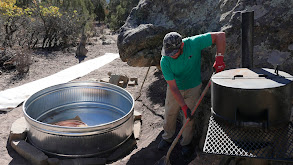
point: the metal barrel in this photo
(105, 108)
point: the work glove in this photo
(219, 64)
(187, 112)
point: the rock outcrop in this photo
(140, 39)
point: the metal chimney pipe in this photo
(247, 39)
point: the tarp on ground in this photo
(13, 97)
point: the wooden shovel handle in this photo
(185, 124)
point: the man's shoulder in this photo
(200, 41)
(198, 36)
(165, 59)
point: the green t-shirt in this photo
(186, 68)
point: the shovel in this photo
(165, 159)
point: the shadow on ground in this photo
(150, 155)
(157, 90)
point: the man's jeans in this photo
(172, 109)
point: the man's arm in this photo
(176, 93)
(219, 38)
(179, 98)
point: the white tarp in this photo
(11, 98)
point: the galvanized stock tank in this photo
(105, 108)
(252, 96)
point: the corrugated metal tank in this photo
(106, 109)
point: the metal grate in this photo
(227, 139)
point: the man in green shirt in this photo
(181, 63)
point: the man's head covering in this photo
(171, 44)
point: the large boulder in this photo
(140, 38)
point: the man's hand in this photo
(219, 64)
(187, 112)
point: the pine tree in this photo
(119, 11)
(100, 12)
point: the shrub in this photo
(58, 28)
(11, 16)
(23, 61)
(41, 24)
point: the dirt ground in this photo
(150, 103)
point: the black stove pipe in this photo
(247, 39)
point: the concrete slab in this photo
(133, 81)
(136, 129)
(120, 80)
(29, 152)
(18, 130)
(137, 115)
(105, 80)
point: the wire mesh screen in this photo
(227, 139)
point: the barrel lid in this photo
(259, 78)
